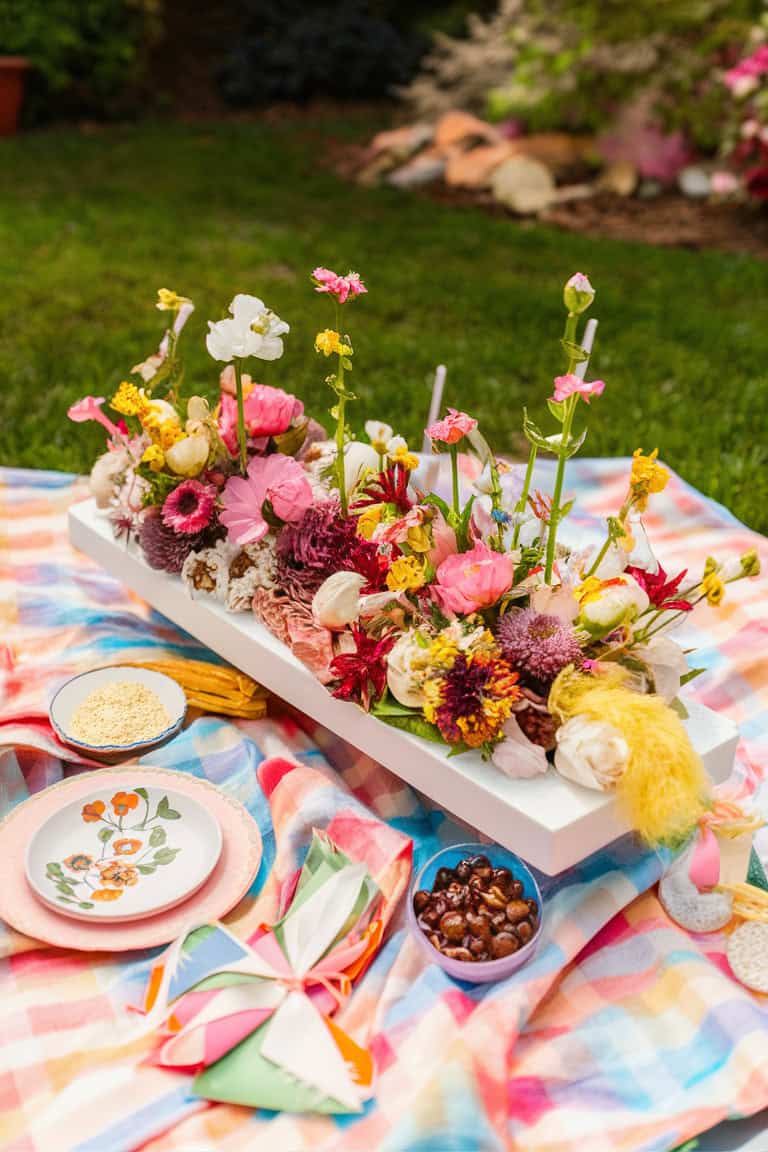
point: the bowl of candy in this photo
(476, 910)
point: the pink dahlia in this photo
(275, 486)
(536, 644)
(452, 427)
(189, 508)
(342, 287)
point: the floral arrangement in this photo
(747, 141)
(457, 612)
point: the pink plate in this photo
(224, 888)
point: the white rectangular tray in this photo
(549, 822)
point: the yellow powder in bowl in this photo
(120, 712)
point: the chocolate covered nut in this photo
(504, 945)
(499, 922)
(515, 890)
(477, 947)
(430, 916)
(502, 878)
(420, 900)
(437, 941)
(479, 926)
(479, 861)
(463, 871)
(524, 931)
(443, 879)
(533, 907)
(517, 910)
(457, 953)
(453, 926)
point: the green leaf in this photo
(678, 706)
(165, 812)
(416, 725)
(65, 889)
(480, 445)
(141, 792)
(565, 508)
(574, 351)
(439, 503)
(65, 900)
(165, 855)
(85, 904)
(388, 706)
(534, 435)
(54, 870)
(157, 837)
(574, 444)
(106, 834)
(691, 675)
(346, 364)
(146, 869)
(557, 408)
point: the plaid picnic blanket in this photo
(625, 1034)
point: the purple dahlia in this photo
(536, 644)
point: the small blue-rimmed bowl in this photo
(71, 695)
(477, 971)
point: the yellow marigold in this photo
(406, 574)
(402, 456)
(647, 476)
(155, 457)
(713, 588)
(368, 521)
(329, 342)
(168, 301)
(442, 652)
(129, 400)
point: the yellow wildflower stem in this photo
(241, 434)
(340, 405)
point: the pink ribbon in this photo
(704, 864)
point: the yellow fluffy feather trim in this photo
(664, 789)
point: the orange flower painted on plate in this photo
(124, 802)
(79, 862)
(93, 811)
(105, 894)
(121, 875)
(125, 847)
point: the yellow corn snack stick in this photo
(212, 687)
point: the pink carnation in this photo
(472, 580)
(268, 412)
(452, 427)
(570, 385)
(278, 480)
(342, 287)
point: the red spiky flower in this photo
(387, 487)
(362, 674)
(661, 590)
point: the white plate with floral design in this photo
(123, 855)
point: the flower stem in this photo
(454, 451)
(554, 516)
(520, 506)
(241, 436)
(340, 405)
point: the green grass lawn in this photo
(90, 226)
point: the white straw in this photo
(586, 343)
(435, 402)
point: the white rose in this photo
(615, 604)
(358, 458)
(188, 456)
(104, 474)
(591, 753)
(253, 331)
(667, 663)
(517, 756)
(406, 670)
(336, 603)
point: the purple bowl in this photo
(481, 971)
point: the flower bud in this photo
(750, 563)
(578, 293)
(188, 456)
(336, 603)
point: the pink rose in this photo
(452, 427)
(342, 287)
(571, 385)
(474, 579)
(278, 479)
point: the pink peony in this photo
(473, 580)
(342, 287)
(278, 480)
(570, 385)
(268, 412)
(452, 427)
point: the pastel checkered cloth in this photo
(624, 1034)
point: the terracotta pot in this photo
(12, 69)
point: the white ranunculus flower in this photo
(164, 412)
(379, 434)
(104, 475)
(254, 330)
(591, 752)
(336, 604)
(517, 756)
(667, 662)
(406, 670)
(614, 605)
(188, 456)
(358, 458)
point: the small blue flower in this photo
(500, 516)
